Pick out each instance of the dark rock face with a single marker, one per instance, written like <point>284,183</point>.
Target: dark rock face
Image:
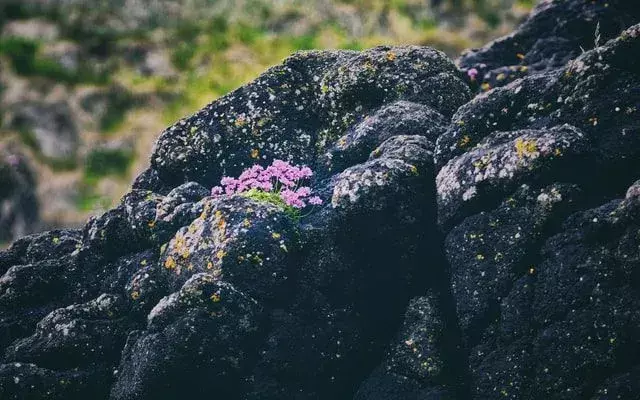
<point>174,293</point>
<point>555,32</point>
<point>18,202</point>
<point>50,127</point>
<point>492,256</point>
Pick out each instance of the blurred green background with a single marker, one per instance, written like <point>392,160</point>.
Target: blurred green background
<point>87,85</point>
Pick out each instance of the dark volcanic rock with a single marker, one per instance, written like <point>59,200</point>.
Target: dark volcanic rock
<point>555,32</point>
<point>236,296</point>
<point>299,108</point>
<point>493,256</point>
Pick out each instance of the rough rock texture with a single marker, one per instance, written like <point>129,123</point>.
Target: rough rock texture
<point>555,32</point>
<point>482,248</point>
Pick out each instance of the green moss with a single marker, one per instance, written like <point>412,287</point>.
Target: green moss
<point>103,162</point>
<point>275,199</point>
<point>26,61</point>
<point>246,33</point>
<point>182,55</point>
<point>304,42</point>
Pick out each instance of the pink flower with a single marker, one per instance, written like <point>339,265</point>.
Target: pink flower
<point>280,178</point>
<point>303,191</point>
<point>472,73</point>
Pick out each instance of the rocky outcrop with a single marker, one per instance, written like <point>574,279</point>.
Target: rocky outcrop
<point>18,202</point>
<point>479,248</point>
<point>194,295</point>
<point>554,33</point>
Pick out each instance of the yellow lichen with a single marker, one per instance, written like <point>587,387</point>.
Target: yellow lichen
<point>215,297</point>
<point>240,122</point>
<point>135,295</point>
<point>275,235</point>
<point>170,263</point>
<point>526,148</point>
<point>464,141</point>
<point>255,153</point>
<point>391,56</point>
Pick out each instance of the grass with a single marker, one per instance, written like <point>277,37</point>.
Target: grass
<point>275,199</point>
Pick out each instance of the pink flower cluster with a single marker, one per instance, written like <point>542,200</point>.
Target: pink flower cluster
<point>279,178</point>
<point>472,73</point>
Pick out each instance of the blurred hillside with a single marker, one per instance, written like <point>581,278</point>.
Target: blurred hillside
<point>86,86</point>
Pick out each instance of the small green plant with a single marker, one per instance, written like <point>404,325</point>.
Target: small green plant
<point>275,199</point>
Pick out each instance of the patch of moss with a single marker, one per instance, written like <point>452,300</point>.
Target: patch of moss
<point>182,55</point>
<point>102,162</point>
<point>275,199</point>
<point>304,42</point>
<point>246,33</point>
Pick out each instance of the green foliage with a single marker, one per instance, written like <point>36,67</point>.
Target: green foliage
<point>272,198</point>
<point>246,33</point>
<point>304,42</point>
<point>183,54</point>
<point>20,51</point>
<point>26,61</point>
<point>102,162</point>
<point>114,116</point>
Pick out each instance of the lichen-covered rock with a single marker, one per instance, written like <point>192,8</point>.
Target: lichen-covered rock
<point>415,356</point>
<point>400,118</point>
<point>301,107</point>
<point>554,33</point>
<point>198,341</point>
<point>596,93</point>
<point>78,335</point>
<point>502,161</point>
<point>232,295</point>
<point>542,265</point>
<point>246,243</point>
